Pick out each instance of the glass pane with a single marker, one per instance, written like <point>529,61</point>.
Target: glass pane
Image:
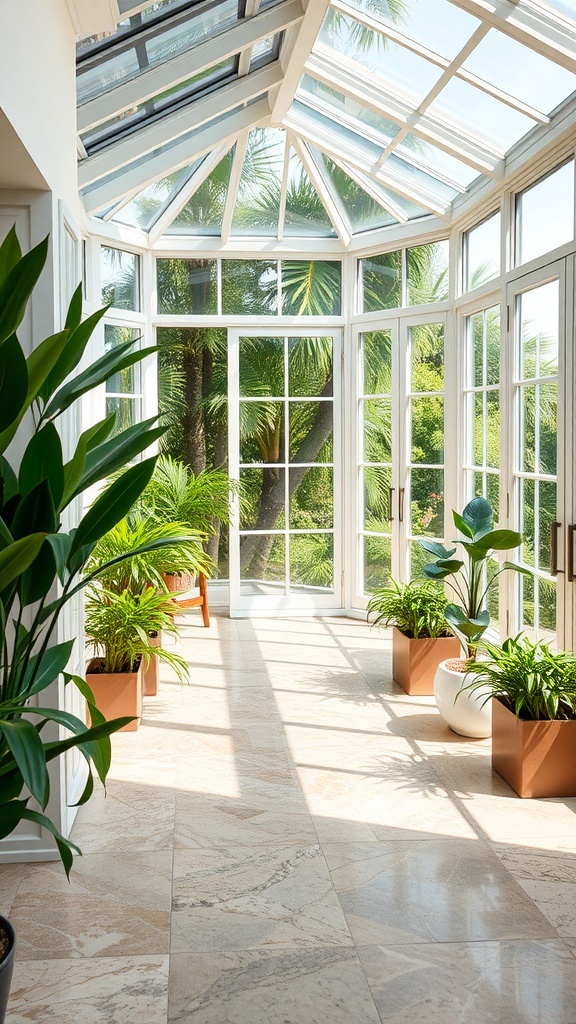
<point>539,319</point>
<point>520,71</point>
<point>563,7</point>
<point>377,353</point>
<point>311,502</point>
<point>345,109</point>
<point>376,492</point>
<point>416,150</point>
<point>187,286</point>
<point>546,516</point>
<point>203,212</point>
<point>493,494</point>
<point>415,172</point>
<point>479,430</point>
<point>262,432</point>
<point>309,367</point>
<point>493,345</point>
<point>249,287</point>
<point>310,429</point>
<point>427,506</point>
<point>493,429</point>
<point>305,213</point>
<point>377,430</point>
<point>428,430</point>
<point>547,594</point>
<point>145,209</point>
<point>427,345</point>
<point>377,563</point>
<point>428,273</point>
<point>363,212</point>
<point>476,112</point>
<point>312,562</point>
<point>381,278</point>
<point>482,248</point>
<point>529,521</point>
<point>437,24</point>
<point>476,328</point>
<point>527,587</point>
<point>529,426</point>
<point>546,214</point>
<point>262,367</point>
<point>128,412</point>
<point>311,287</point>
<point>120,273</point>
<point>255,484</point>
<point>126,381</point>
<point>548,413</point>
<point>262,565</point>
<point>258,200</point>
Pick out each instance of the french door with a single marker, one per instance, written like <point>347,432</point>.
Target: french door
<point>285,420</point>
<point>539,453</point>
<point>401,422</point>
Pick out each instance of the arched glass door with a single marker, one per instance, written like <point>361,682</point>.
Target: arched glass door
<point>285,451</point>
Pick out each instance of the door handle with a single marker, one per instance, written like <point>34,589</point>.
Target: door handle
<point>554,527</point>
<point>390,494</point>
<point>570,540</point>
<point>401,504</point>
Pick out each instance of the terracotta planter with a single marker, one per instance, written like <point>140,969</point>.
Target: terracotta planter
<point>467,714</point>
<point>178,582</point>
<point>152,673</point>
<point>536,758</point>
<point>6,967</point>
<point>414,662</point>
<point>117,694</point>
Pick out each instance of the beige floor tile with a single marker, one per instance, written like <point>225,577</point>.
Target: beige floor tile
<point>10,878</point>
<point>130,815</point>
<point>312,986</point>
<point>208,824</point>
<point>479,983</point>
<point>115,990</point>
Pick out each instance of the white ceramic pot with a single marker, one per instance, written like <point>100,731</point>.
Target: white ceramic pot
<point>466,715</point>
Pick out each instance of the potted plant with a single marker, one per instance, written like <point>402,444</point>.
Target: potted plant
<point>533,691</point>
<point>41,562</point>
<point>118,628</point>
<point>421,638</point>
<point>471,580</point>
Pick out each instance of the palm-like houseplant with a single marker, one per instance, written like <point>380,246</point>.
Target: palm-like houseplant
<point>421,637</point>
<point>532,691</point>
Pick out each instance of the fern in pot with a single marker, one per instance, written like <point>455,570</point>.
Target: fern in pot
<point>421,638</point>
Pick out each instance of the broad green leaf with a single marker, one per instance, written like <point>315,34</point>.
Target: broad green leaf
<point>96,732</point>
<point>17,287</point>
<point>434,548</point>
<point>39,365</point>
<point>74,314</point>
<point>27,750</point>
<point>44,668</point>
<point>78,339</point>
<point>433,571</point>
<point>60,544</point>
<point>100,751</point>
<point>73,470</point>
<point>66,848</point>
<point>35,512</point>
<point>118,452</point>
<point>499,540</point>
<point>8,481</point>
<point>13,381</point>
<point>10,813</point>
<point>113,504</point>
<point>518,568</point>
<point>15,558</point>
<point>97,373</point>
<point>5,535</point>
<point>42,460</point>
<point>462,525</point>
<point>38,580</point>
<point>478,516</point>
<point>450,565</point>
<point>10,253</point>
<point>86,792</point>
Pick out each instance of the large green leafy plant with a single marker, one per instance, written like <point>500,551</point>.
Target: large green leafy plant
<point>41,564</point>
<point>471,580</point>
<point>416,609</point>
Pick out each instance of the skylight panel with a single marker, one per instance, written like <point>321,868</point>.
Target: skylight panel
<point>139,46</point>
<point>348,110</point>
<point>520,71</point>
<point>361,210</point>
<point>264,51</point>
<point>411,175</point>
<point>257,206</point>
<point>436,160</point>
<point>143,211</point>
<point>335,134</point>
<point>435,24</point>
<point>480,115</point>
<point>165,102</point>
<point>305,213</point>
<point>203,212</point>
<point>565,8</point>
<point>414,76</point>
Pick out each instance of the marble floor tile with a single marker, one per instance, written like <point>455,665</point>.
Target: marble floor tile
<point>437,891</point>
<point>549,879</point>
<point>130,815</point>
<point>260,655</point>
<point>545,824</point>
<point>241,822</point>
<point>113,990</point>
<point>112,906</point>
<point>268,897</point>
<point>312,986</point>
<point>526,982</point>
<point>10,878</point>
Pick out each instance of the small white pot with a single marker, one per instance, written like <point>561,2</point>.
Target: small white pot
<point>466,715</point>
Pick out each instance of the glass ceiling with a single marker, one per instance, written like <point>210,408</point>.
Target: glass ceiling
<point>395,108</point>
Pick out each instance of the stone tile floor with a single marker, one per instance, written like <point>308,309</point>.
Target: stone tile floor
<point>293,840</point>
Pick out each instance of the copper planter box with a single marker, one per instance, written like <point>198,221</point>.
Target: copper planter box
<point>414,662</point>
<point>152,673</point>
<point>536,758</point>
<point>117,694</point>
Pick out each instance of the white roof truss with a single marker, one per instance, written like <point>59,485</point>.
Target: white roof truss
<point>296,52</point>
<point>336,214</point>
<point>235,175</point>
<point>202,172</point>
<point>546,34</point>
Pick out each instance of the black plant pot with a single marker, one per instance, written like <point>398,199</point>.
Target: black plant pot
<point>6,967</point>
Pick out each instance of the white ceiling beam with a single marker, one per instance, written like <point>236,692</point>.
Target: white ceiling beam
<point>202,57</point>
<point>182,153</point>
<point>297,49</point>
<point>188,119</point>
<point>250,11</point>
<point>548,35</point>
<point>234,181</point>
<point>284,186</point>
<point>93,17</point>
<point>350,83</point>
<point>337,216</point>
<point>209,163</point>
<point>442,62</point>
<point>370,187</point>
